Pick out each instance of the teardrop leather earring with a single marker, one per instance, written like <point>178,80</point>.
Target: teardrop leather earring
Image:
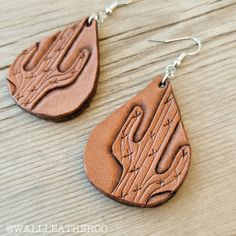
<point>140,154</point>
<point>56,78</point>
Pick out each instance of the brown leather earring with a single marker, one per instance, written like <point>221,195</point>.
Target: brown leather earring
<point>56,78</point>
<point>140,155</point>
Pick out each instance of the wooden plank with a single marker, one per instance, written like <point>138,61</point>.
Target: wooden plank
<point>42,180</point>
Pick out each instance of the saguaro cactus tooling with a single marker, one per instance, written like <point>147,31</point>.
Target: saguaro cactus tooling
<point>140,179</point>
<point>32,86</point>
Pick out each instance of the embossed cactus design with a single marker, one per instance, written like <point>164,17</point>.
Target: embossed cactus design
<point>47,66</point>
<point>141,180</point>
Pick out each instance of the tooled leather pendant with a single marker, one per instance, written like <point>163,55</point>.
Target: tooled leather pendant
<point>56,78</point>
<point>140,154</point>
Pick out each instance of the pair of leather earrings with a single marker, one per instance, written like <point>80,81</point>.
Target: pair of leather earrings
<point>140,154</point>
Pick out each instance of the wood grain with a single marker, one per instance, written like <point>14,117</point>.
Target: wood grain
<point>42,180</point>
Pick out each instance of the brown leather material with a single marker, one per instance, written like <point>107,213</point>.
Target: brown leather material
<point>56,78</point>
<point>140,154</point>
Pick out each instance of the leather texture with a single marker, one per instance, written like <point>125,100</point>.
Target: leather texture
<point>56,78</point>
<point>140,154</point>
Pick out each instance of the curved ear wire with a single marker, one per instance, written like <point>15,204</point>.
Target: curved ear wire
<point>171,69</point>
<point>196,40</point>
<point>102,15</point>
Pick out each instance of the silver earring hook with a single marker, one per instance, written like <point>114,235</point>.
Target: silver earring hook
<point>102,15</point>
<point>171,69</point>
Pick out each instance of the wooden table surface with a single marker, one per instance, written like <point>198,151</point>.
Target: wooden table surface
<point>42,179</point>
